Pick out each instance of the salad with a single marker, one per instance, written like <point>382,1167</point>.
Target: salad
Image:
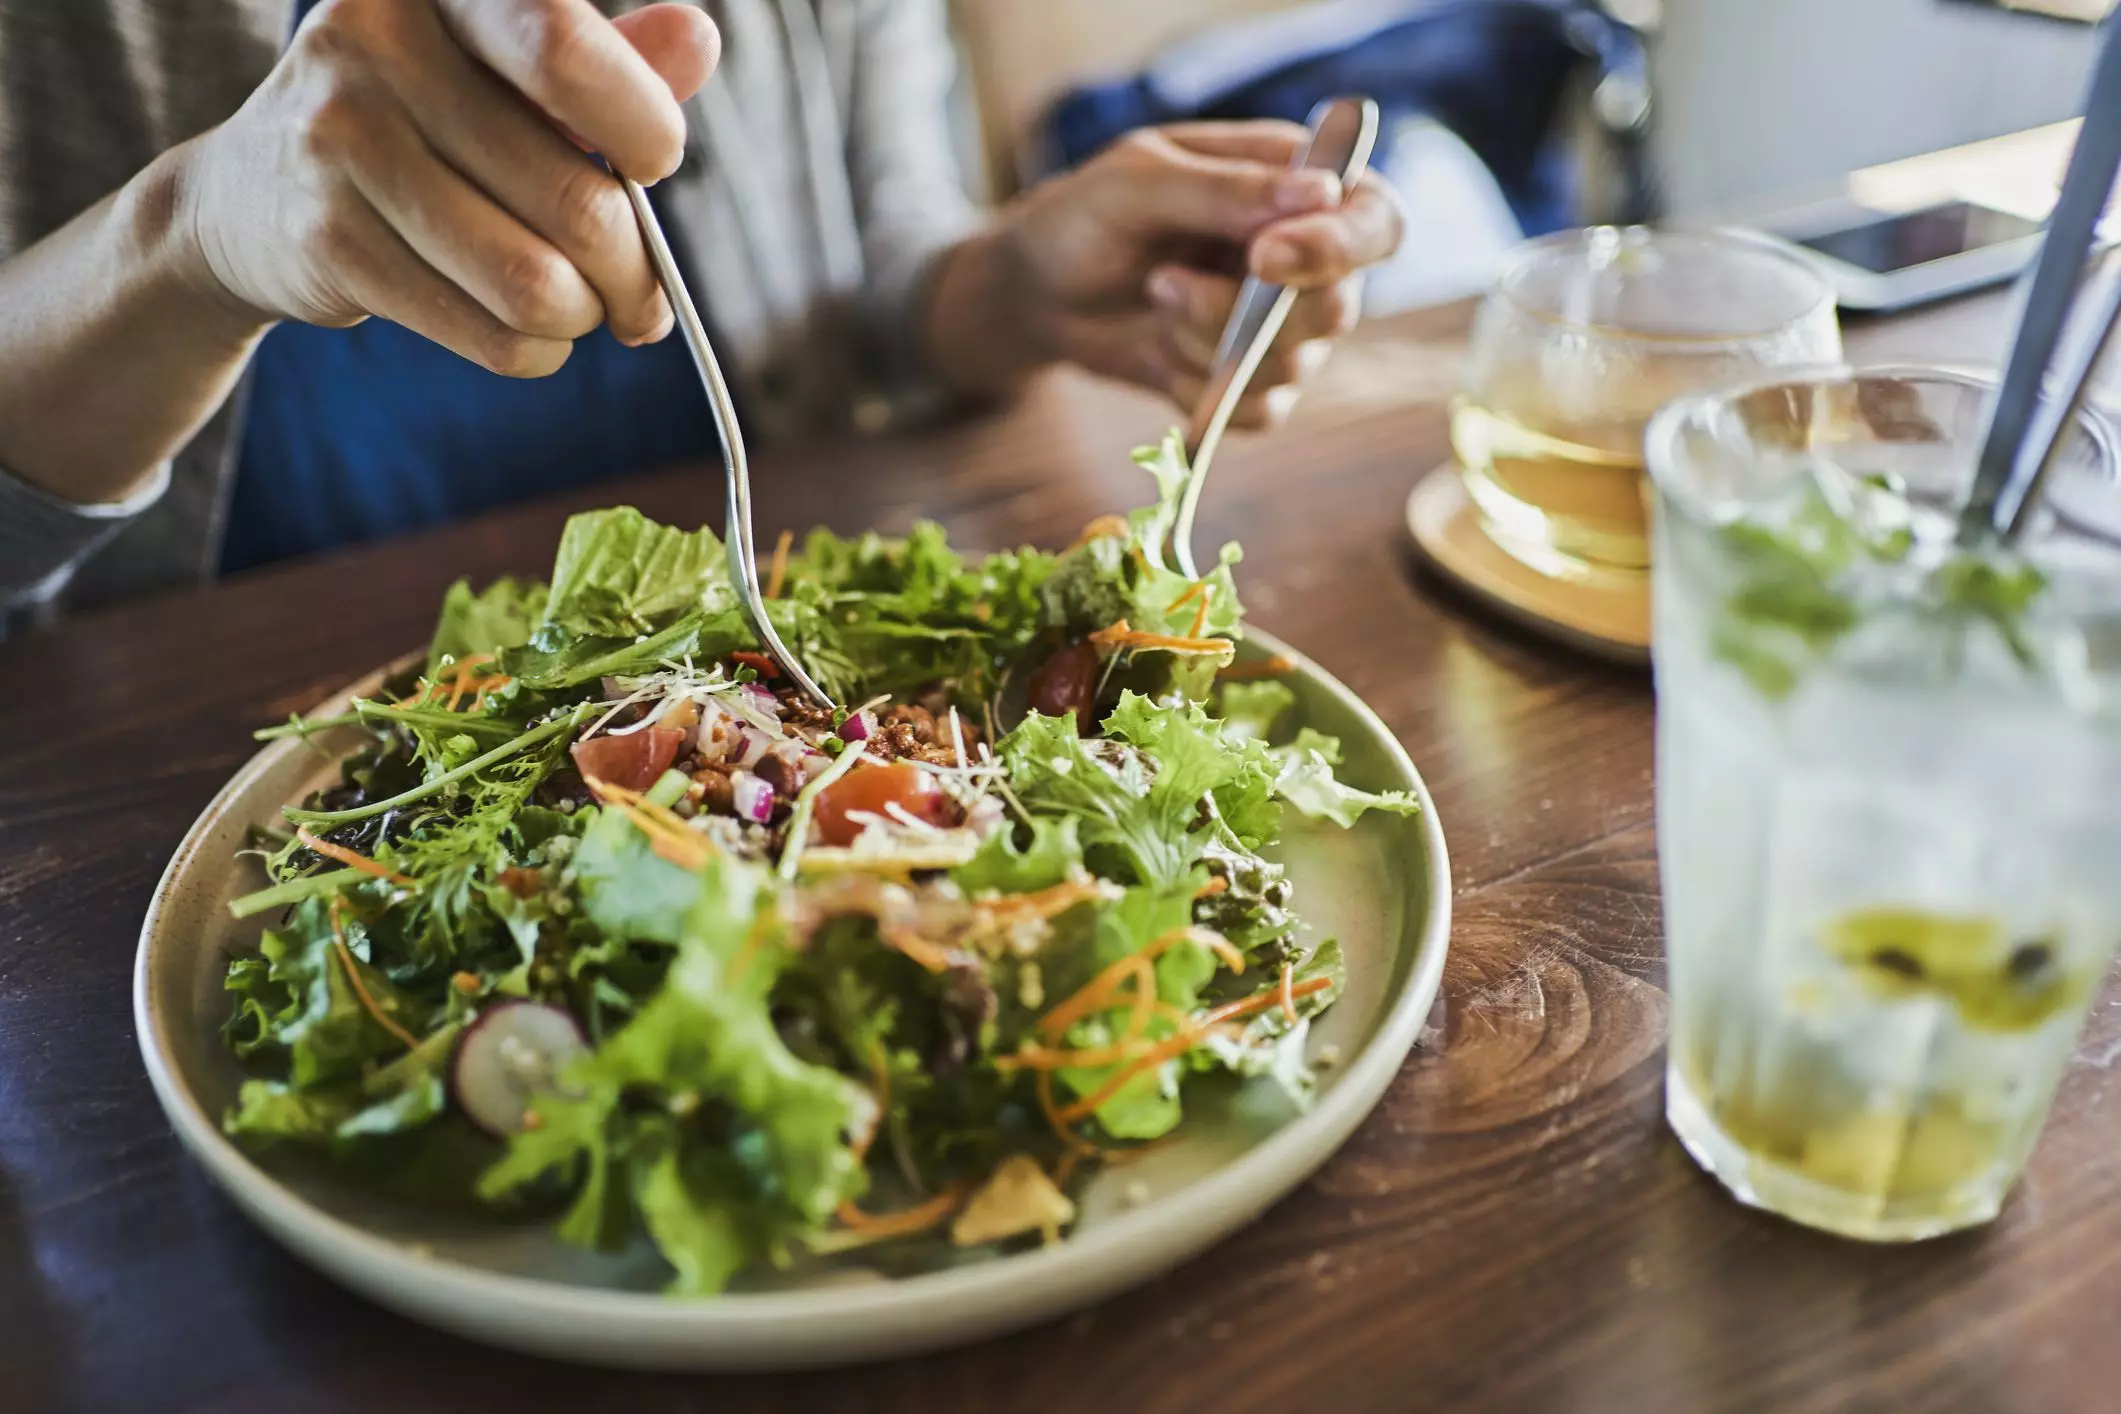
<point>604,925</point>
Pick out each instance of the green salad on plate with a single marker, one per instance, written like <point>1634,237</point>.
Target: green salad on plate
<point>605,925</point>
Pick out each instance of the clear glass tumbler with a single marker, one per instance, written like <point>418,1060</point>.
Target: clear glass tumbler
<point>1586,334</point>
<point>1888,795</point>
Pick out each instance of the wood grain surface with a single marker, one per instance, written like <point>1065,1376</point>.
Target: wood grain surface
<point>1512,1229</point>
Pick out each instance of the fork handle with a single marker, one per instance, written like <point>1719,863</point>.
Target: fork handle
<point>1343,130</point>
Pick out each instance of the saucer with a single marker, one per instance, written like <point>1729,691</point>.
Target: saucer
<point>1607,616</point>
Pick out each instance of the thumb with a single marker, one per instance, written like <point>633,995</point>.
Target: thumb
<point>679,42</point>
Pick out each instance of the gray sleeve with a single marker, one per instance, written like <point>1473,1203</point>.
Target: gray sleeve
<point>44,539</point>
<point>909,194</point>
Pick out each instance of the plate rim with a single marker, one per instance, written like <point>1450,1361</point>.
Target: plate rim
<point>818,1325</point>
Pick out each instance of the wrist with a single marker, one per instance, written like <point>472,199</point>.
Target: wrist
<point>157,220</point>
<point>990,330</point>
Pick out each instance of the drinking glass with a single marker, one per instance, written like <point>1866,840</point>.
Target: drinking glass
<point>1888,795</point>
<point>1588,333</point>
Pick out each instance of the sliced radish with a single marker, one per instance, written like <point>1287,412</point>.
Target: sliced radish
<point>508,1057</point>
<point>753,798</point>
<point>762,697</point>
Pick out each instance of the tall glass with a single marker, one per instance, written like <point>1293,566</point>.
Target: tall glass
<point>1588,333</point>
<point>1888,796</point>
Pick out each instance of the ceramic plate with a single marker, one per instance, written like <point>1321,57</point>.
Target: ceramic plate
<point>1383,888</point>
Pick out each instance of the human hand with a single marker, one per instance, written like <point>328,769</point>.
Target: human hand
<point>1132,263</point>
<point>412,159</point>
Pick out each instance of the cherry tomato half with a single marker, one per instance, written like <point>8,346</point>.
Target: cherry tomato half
<point>632,762</point>
<point>869,789</point>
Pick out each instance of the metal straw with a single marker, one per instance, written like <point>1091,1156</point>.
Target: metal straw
<point>2007,475</point>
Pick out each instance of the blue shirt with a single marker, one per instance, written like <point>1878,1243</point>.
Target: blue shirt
<point>358,433</point>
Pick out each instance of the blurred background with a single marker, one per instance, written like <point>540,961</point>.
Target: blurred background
<point>1509,118</point>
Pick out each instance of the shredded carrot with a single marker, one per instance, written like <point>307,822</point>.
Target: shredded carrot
<point>353,979</point>
<point>1200,615</point>
<point>667,835</point>
<point>1036,1057</point>
<point>1155,1056</point>
<point>465,982</point>
<point>488,684</point>
<point>1046,902</point>
<point>1104,527</point>
<point>1064,1168</point>
<point>918,948</point>
<point>767,668</point>
<point>1245,1006</point>
<point>460,677</point>
<point>1195,588</point>
<point>1288,991</point>
<point>1216,884</point>
<point>1264,668</point>
<point>918,1218</point>
<point>1097,993</point>
<point>347,857</point>
<point>778,570</point>
<point>1077,1145</point>
<point>1120,636</point>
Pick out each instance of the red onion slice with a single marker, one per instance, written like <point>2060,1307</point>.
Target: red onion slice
<point>753,798</point>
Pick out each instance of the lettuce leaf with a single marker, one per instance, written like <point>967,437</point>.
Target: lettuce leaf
<point>1305,780</point>
<point>619,574</point>
<point>501,617</point>
<point>1053,854</point>
<point>628,890</point>
<point>1250,710</point>
<point>556,659</point>
<point>1112,577</point>
<point>705,1046</point>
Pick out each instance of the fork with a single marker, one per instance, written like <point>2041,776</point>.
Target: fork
<point>1343,130</point>
<point>736,467</point>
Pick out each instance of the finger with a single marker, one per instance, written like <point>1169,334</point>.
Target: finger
<point>380,273</point>
<point>1324,248</point>
<point>1326,313</point>
<point>1196,306</point>
<point>488,132</point>
<point>460,233</point>
<point>1148,183</point>
<point>680,43</point>
<point>579,71</point>
<point>1273,142</point>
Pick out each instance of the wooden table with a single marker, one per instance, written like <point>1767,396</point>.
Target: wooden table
<point>1512,1229</point>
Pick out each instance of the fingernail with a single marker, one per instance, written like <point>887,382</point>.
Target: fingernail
<point>1166,289</point>
<point>1276,259</point>
<point>1307,190</point>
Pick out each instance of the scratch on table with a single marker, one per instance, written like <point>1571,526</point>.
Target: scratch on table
<point>19,876</point>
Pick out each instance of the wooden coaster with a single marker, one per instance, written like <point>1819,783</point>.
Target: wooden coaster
<point>1608,616</point>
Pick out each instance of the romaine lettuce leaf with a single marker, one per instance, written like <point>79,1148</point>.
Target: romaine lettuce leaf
<point>619,574</point>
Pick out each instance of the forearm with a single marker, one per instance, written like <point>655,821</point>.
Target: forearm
<point>983,333</point>
<point>114,345</point>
